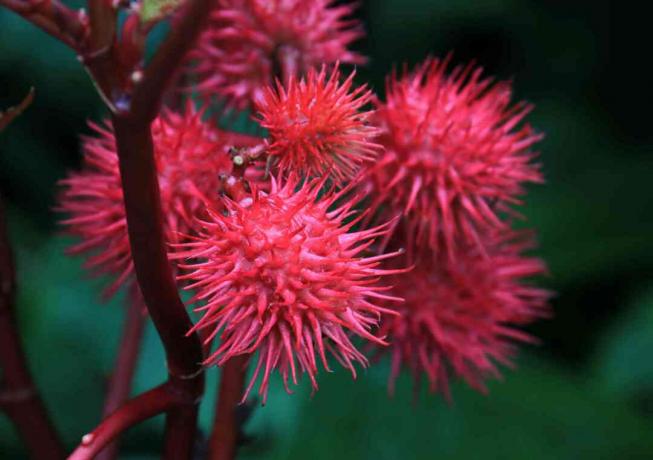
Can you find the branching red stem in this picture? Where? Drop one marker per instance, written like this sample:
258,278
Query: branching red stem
18,395
125,366
55,18
226,426
145,227
98,56
167,60
132,115
154,402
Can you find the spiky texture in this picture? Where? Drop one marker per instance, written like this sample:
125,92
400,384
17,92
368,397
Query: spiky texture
456,155
281,274
316,127
463,316
249,43
190,157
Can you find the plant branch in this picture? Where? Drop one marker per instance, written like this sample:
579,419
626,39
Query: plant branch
131,118
102,22
18,395
169,57
125,366
11,113
146,232
147,240
148,244
226,426
53,17
99,56
154,402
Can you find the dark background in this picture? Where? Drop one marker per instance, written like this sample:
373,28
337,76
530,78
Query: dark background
586,392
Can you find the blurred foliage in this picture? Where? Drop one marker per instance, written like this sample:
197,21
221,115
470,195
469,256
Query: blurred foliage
586,392
153,10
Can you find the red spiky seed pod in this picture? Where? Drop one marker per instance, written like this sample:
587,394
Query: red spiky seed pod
280,274
456,156
316,126
190,157
249,43
463,316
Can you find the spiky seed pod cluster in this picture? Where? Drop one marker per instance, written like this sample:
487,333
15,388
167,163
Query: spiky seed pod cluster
249,43
316,125
456,155
463,316
190,158
456,159
281,273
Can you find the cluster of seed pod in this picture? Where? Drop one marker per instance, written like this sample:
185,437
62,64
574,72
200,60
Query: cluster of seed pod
268,234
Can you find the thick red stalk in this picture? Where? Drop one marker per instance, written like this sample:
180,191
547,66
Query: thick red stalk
226,426
18,395
147,405
99,50
145,227
132,116
125,366
102,20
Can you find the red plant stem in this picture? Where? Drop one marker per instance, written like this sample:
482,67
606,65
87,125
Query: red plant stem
154,402
13,112
53,17
174,96
226,426
102,20
131,124
125,366
99,53
132,116
166,62
145,228
18,395
181,432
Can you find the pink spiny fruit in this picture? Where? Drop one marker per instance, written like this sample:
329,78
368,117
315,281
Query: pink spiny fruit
249,43
463,316
281,274
190,157
316,127
456,155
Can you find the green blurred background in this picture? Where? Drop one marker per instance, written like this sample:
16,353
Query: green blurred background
586,392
